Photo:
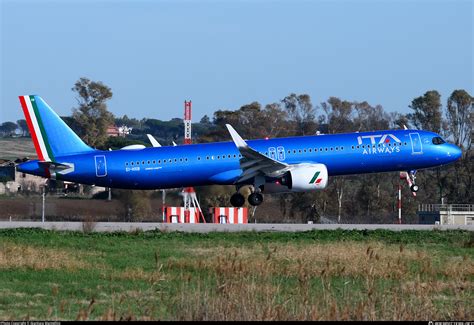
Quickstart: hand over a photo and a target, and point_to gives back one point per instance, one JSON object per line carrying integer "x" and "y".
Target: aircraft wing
{"x": 254, "y": 163}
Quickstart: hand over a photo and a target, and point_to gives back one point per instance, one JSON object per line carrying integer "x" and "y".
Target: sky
{"x": 154, "y": 55}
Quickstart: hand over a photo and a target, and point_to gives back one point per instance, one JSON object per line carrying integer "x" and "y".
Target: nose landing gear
{"x": 410, "y": 177}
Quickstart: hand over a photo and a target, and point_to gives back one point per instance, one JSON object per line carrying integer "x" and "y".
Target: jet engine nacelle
{"x": 306, "y": 177}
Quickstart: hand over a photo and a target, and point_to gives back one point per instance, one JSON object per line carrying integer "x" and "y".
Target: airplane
{"x": 291, "y": 164}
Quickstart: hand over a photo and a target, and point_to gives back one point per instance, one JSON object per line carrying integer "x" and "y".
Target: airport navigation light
{"x": 43, "y": 199}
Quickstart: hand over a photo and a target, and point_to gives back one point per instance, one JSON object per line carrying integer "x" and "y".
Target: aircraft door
{"x": 100, "y": 166}
{"x": 416, "y": 146}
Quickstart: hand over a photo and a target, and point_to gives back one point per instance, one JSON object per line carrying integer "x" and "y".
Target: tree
{"x": 427, "y": 112}
{"x": 460, "y": 127}
{"x": 23, "y": 127}
{"x": 301, "y": 112}
{"x": 205, "y": 120}
{"x": 92, "y": 115}
{"x": 275, "y": 121}
{"x": 398, "y": 120}
{"x": 459, "y": 114}
{"x": 370, "y": 118}
{"x": 338, "y": 115}
{"x": 7, "y": 128}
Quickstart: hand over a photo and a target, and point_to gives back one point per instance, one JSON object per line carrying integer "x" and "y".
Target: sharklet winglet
{"x": 239, "y": 142}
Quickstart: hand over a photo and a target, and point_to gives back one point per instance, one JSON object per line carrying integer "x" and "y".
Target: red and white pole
{"x": 187, "y": 122}
{"x": 399, "y": 203}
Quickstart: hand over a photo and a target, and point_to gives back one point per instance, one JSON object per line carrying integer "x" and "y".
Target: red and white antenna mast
{"x": 187, "y": 122}
{"x": 189, "y": 194}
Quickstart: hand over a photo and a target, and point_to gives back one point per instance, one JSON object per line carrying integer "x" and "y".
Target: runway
{"x": 206, "y": 228}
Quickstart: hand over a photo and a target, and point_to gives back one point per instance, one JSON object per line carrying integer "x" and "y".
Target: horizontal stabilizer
{"x": 54, "y": 165}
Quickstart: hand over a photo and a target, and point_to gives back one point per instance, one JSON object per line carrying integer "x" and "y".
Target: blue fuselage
{"x": 219, "y": 163}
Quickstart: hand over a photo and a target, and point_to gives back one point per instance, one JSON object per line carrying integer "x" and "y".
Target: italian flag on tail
{"x": 36, "y": 127}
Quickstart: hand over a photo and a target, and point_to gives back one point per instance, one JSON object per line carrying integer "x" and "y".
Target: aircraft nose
{"x": 454, "y": 152}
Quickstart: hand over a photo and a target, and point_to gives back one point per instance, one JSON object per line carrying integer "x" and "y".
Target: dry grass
{"x": 39, "y": 258}
{"x": 333, "y": 281}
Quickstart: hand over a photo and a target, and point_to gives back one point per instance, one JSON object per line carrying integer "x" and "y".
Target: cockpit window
{"x": 438, "y": 140}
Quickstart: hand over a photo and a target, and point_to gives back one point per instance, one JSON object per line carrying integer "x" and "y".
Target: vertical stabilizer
{"x": 51, "y": 136}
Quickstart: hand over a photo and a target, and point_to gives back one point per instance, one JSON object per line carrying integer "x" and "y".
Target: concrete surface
{"x": 205, "y": 228}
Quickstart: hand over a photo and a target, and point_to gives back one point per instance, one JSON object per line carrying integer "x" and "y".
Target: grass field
{"x": 317, "y": 275}
{"x": 13, "y": 148}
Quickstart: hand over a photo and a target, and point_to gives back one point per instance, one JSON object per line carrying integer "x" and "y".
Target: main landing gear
{"x": 237, "y": 200}
{"x": 255, "y": 198}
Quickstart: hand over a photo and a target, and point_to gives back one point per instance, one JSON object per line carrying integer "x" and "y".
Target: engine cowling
{"x": 306, "y": 177}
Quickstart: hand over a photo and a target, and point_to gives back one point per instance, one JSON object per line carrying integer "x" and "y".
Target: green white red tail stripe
{"x": 36, "y": 127}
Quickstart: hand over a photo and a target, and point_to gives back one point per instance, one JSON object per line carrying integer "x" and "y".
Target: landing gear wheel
{"x": 414, "y": 188}
{"x": 255, "y": 199}
{"x": 237, "y": 200}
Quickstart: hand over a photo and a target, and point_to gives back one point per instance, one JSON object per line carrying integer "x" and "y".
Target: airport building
{"x": 446, "y": 214}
